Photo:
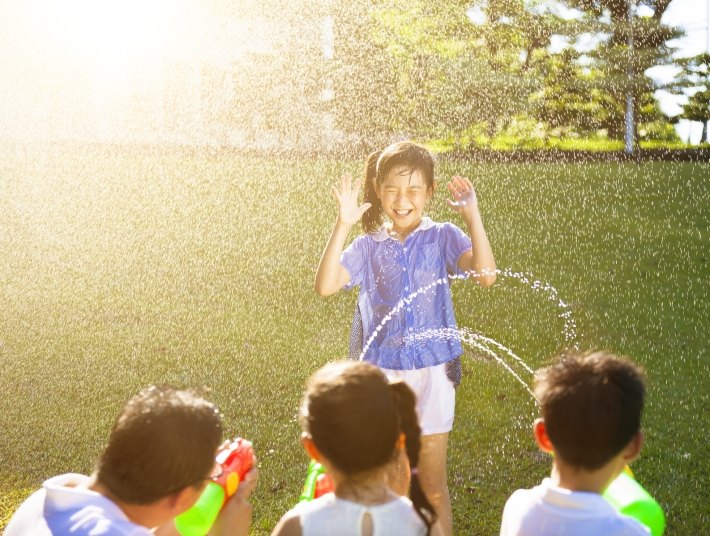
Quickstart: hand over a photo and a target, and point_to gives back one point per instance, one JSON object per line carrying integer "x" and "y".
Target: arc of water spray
{"x": 476, "y": 339}
{"x": 473, "y": 339}
{"x": 505, "y": 365}
{"x": 570, "y": 325}
{"x": 501, "y": 346}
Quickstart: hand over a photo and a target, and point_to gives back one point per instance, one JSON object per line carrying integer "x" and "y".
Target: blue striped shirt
{"x": 391, "y": 276}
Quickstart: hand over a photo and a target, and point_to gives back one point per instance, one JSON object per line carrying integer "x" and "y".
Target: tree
{"x": 625, "y": 50}
{"x": 423, "y": 69}
{"x": 401, "y": 69}
{"x": 693, "y": 81}
{"x": 567, "y": 100}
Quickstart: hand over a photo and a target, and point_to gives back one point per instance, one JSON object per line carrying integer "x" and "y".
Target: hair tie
{"x": 414, "y": 471}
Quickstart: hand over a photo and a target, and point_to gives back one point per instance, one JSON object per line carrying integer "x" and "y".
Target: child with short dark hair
{"x": 591, "y": 415}
{"x": 159, "y": 458}
{"x": 356, "y": 424}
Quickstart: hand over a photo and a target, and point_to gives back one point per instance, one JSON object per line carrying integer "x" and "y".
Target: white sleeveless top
{"x": 330, "y": 516}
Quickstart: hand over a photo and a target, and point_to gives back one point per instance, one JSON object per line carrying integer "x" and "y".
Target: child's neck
{"x": 367, "y": 489}
{"x": 576, "y": 479}
{"x": 145, "y": 515}
{"x": 401, "y": 234}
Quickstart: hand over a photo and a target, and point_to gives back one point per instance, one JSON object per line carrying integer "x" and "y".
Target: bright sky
{"x": 112, "y": 42}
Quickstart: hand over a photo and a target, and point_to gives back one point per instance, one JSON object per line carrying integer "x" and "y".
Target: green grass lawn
{"x": 120, "y": 270}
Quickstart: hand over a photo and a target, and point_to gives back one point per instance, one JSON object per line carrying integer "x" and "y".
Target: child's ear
{"x": 401, "y": 441}
{"x": 310, "y": 447}
{"x": 541, "y": 437}
{"x": 633, "y": 449}
{"x": 182, "y": 500}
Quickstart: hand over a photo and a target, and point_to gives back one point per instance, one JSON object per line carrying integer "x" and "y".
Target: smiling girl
{"x": 389, "y": 263}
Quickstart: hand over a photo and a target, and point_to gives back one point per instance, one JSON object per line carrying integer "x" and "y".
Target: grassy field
{"x": 118, "y": 270}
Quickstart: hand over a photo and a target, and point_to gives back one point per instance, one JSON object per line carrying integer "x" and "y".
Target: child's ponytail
{"x": 372, "y": 219}
{"x": 406, "y": 405}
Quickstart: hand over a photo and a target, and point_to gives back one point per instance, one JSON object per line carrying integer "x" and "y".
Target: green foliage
{"x": 660, "y": 130}
{"x": 698, "y": 107}
{"x": 423, "y": 70}
{"x": 417, "y": 69}
{"x": 693, "y": 81}
{"x": 619, "y": 66}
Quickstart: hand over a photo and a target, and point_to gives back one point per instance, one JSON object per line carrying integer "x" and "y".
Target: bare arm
{"x": 480, "y": 259}
{"x": 235, "y": 517}
{"x": 289, "y": 525}
{"x": 331, "y": 276}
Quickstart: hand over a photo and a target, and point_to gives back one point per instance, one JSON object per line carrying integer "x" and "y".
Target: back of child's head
{"x": 355, "y": 417}
{"x": 592, "y": 405}
{"x": 380, "y": 163}
{"x": 163, "y": 441}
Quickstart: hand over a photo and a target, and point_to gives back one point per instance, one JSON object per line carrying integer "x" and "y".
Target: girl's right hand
{"x": 349, "y": 213}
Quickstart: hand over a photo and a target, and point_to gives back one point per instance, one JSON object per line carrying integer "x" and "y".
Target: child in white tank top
{"x": 330, "y": 515}
{"x": 358, "y": 425}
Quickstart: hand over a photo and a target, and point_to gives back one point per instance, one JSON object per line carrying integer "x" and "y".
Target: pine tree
{"x": 693, "y": 81}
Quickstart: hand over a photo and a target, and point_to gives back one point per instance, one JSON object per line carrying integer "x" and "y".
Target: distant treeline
{"x": 351, "y": 152}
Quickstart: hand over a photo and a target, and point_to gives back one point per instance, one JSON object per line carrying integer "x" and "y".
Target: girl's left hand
{"x": 464, "y": 196}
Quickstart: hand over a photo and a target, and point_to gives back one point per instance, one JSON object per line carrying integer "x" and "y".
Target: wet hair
{"x": 592, "y": 404}
{"x": 355, "y": 417}
{"x": 379, "y": 165}
{"x": 163, "y": 440}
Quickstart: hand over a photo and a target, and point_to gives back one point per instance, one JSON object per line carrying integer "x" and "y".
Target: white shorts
{"x": 436, "y": 396}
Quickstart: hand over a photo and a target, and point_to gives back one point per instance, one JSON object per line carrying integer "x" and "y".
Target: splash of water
{"x": 478, "y": 340}
{"x": 570, "y": 326}
{"x": 477, "y": 336}
{"x": 472, "y": 342}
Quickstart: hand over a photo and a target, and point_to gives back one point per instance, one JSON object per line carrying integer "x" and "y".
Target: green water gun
{"x": 234, "y": 462}
{"x": 318, "y": 482}
{"x": 630, "y": 498}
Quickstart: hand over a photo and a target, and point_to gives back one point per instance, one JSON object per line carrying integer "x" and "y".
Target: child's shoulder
{"x": 545, "y": 501}
{"x": 445, "y": 233}
{"x": 362, "y": 242}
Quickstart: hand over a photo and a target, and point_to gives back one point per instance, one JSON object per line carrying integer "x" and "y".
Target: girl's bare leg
{"x": 432, "y": 475}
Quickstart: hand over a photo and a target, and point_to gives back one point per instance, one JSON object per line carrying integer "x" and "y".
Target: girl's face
{"x": 404, "y": 194}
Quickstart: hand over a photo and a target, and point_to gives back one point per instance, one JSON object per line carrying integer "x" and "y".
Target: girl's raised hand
{"x": 464, "y": 196}
{"x": 349, "y": 212}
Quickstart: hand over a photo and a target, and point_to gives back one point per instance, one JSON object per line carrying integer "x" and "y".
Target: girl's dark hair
{"x": 372, "y": 218}
{"x": 378, "y": 167}
{"x": 409, "y": 424}
{"x": 355, "y": 417}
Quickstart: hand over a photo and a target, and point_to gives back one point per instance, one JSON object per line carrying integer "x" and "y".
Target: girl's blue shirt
{"x": 409, "y": 282}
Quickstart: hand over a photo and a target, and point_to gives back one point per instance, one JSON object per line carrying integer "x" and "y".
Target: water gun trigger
{"x": 232, "y": 484}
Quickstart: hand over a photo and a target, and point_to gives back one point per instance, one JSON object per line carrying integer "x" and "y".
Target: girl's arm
{"x": 331, "y": 276}
{"x": 289, "y": 525}
{"x": 480, "y": 259}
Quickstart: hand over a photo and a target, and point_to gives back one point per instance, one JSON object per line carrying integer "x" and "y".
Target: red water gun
{"x": 232, "y": 464}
